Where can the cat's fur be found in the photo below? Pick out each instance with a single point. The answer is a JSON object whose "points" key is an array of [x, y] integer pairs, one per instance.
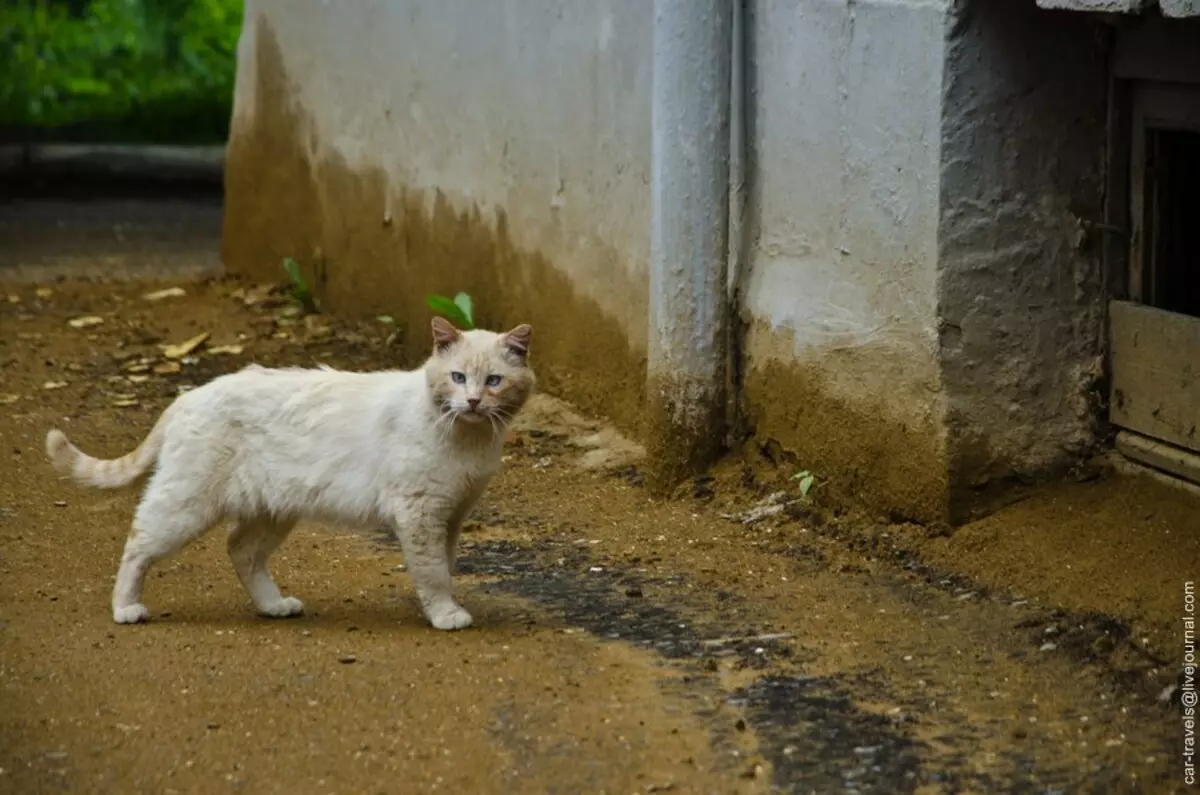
{"points": [[262, 447]]}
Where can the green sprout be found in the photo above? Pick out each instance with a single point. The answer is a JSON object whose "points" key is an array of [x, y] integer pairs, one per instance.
{"points": [[460, 310], [807, 480], [298, 289]]}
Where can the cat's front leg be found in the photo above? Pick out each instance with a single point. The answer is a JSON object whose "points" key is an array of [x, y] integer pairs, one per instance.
{"points": [[453, 531], [424, 541]]}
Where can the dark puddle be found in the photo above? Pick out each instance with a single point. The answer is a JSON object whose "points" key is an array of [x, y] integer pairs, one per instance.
{"points": [[1101, 641], [809, 728], [814, 731], [819, 722]]}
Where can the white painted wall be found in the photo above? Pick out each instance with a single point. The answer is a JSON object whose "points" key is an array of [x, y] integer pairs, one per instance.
{"points": [[543, 108], [846, 122], [539, 107]]}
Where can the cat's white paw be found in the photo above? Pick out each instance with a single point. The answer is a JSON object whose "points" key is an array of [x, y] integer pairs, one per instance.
{"points": [[285, 608], [131, 614], [450, 617]]}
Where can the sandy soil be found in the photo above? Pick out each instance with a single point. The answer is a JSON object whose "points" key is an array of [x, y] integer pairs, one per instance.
{"points": [[730, 639]]}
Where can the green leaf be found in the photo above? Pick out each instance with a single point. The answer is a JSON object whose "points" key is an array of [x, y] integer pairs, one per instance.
{"points": [[463, 302], [299, 289], [87, 85], [806, 484], [807, 481], [449, 310], [293, 270]]}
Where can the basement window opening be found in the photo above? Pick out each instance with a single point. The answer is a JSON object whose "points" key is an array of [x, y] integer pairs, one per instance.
{"points": [[1171, 253]]}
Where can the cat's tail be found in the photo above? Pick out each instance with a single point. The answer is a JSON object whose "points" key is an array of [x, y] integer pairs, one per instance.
{"points": [[100, 473]]}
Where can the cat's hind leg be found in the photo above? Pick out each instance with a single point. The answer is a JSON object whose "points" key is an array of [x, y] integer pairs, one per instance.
{"points": [[250, 546], [161, 527], [426, 555]]}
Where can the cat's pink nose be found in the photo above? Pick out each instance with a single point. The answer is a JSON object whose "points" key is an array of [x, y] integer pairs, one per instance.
{"points": [[473, 403]]}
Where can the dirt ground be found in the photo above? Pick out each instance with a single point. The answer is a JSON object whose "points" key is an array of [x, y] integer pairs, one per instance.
{"points": [[735, 638]]}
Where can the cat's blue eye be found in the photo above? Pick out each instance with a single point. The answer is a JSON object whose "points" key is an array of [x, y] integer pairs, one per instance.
{"points": [[458, 377], [494, 380]]}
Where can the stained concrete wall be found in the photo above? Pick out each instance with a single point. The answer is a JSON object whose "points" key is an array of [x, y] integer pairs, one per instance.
{"points": [[840, 294], [920, 295], [1169, 8], [1020, 288], [401, 148], [1096, 6], [925, 300]]}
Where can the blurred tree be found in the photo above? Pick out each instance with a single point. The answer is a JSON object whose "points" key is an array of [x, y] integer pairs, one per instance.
{"points": [[132, 70]]}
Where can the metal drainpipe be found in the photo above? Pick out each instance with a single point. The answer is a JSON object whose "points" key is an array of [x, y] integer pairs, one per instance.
{"points": [[739, 225], [689, 248]]}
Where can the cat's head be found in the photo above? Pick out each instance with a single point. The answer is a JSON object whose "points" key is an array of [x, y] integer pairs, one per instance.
{"points": [[480, 376]]}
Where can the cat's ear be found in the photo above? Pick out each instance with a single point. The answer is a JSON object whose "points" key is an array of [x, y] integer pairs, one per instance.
{"points": [[516, 342], [444, 334]]}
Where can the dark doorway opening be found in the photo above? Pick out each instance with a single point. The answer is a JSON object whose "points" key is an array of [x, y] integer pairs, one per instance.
{"points": [[1172, 224]]}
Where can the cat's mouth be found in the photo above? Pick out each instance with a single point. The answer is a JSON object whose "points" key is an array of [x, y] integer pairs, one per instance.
{"points": [[471, 415]]}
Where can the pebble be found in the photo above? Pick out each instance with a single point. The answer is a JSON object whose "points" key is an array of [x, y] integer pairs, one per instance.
{"points": [[170, 292]]}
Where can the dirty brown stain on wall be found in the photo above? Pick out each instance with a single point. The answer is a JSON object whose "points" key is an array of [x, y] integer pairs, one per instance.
{"points": [[371, 246], [860, 452]]}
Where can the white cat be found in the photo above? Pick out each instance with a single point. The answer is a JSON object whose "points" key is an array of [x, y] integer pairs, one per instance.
{"points": [[411, 449]]}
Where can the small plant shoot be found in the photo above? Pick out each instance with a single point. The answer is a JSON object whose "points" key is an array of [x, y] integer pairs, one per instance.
{"points": [[458, 310], [807, 479], [298, 290]]}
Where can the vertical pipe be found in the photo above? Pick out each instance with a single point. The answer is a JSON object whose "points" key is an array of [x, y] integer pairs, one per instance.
{"points": [[740, 166], [689, 216]]}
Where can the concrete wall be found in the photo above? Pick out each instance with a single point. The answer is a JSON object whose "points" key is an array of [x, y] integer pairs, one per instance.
{"points": [[1020, 288], [1170, 8], [921, 300], [396, 150], [840, 293], [924, 300]]}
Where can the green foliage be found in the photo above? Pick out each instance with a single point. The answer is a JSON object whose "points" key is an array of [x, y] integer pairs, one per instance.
{"points": [[807, 480], [298, 290], [460, 311], [143, 70]]}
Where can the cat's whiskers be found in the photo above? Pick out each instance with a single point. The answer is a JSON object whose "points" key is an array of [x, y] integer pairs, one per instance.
{"points": [[444, 424], [503, 417], [497, 426]]}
